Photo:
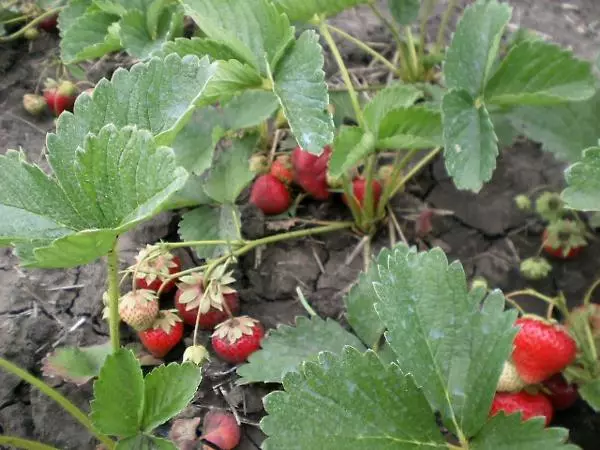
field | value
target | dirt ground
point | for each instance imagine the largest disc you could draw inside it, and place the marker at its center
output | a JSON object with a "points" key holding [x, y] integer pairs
{"points": [[38, 309]]}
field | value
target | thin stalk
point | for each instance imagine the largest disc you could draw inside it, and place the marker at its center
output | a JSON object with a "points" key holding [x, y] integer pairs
{"points": [[395, 33], [311, 312], [33, 23], [540, 296], [352, 203], [412, 53], [441, 36], [64, 402], [324, 29], [416, 169], [360, 44], [369, 207], [174, 245], [427, 11], [588, 295], [399, 164], [370, 87], [114, 320], [26, 444]]}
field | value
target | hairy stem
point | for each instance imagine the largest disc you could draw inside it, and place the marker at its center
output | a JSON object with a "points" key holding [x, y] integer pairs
{"points": [[360, 44], [412, 53], [416, 169], [441, 36], [112, 261], [324, 29], [64, 402], [33, 23]]}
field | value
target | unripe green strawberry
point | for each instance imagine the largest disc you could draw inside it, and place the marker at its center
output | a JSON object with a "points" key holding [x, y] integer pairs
{"points": [[139, 308], [510, 381], [523, 202], [31, 34], [34, 104], [258, 164]]}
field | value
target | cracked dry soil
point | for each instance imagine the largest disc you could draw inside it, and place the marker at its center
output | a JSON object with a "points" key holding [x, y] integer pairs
{"points": [[39, 309]]}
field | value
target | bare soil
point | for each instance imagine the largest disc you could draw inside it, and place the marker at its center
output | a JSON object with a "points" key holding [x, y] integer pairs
{"points": [[38, 309]]}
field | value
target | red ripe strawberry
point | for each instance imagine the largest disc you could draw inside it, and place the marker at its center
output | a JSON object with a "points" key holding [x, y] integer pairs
{"points": [[60, 96], [49, 24], [541, 349], [165, 333], [562, 395], [564, 239], [270, 195], [214, 304], [310, 171], [139, 308], [282, 169], [154, 266], [528, 405], [359, 188], [221, 429], [237, 338]]}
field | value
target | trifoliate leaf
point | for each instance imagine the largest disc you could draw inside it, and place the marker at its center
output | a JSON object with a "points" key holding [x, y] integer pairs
{"points": [[230, 172], [304, 10], [590, 392], [453, 341], [474, 47], [470, 144], [76, 364], [118, 402], [352, 402], [583, 182], [564, 130], [285, 348], [351, 146], [388, 99], [145, 442], [360, 304], [253, 29], [118, 179], [299, 84], [503, 432], [540, 73], [137, 38], [414, 127], [404, 12], [89, 37], [211, 223], [167, 391]]}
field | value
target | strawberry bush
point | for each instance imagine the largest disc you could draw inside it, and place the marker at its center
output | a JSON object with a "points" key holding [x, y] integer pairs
{"points": [[244, 103]]}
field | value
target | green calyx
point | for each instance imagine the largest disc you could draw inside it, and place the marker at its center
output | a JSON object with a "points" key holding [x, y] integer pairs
{"points": [[550, 206], [535, 268], [565, 234]]}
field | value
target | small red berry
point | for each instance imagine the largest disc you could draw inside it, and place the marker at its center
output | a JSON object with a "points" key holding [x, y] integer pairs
{"points": [[220, 428], [562, 394], [282, 169], [165, 333], [359, 189], [154, 266], [310, 171], [49, 24], [270, 195], [236, 339], [528, 405]]}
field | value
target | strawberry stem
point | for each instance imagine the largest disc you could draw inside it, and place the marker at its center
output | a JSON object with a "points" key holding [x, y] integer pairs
{"points": [[64, 402], [16, 442], [311, 312], [112, 260], [441, 36], [33, 23]]}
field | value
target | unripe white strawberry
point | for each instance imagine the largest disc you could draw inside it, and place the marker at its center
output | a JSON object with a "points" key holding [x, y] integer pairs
{"points": [[139, 308], [510, 381]]}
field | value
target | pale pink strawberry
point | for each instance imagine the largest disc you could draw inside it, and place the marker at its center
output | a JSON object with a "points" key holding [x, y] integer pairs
{"points": [[139, 308]]}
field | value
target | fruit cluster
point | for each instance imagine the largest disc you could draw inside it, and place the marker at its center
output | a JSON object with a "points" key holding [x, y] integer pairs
{"points": [[58, 96], [271, 189], [206, 302], [531, 382]]}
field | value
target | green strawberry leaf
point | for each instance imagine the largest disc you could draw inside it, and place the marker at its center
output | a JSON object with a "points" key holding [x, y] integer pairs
{"points": [[470, 144], [414, 127], [286, 347], [167, 390], [404, 12], [351, 401], [76, 364], [230, 172], [73, 11], [451, 340], [299, 84], [145, 442], [88, 37], [248, 109], [539, 73], [562, 129], [253, 29], [211, 223], [231, 78], [79, 222], [503, 432], [590, 392], [304, 10], [118, 402], [583, 182], [350, 147], [217, 50], [360, 305], [474, 47], [387, 100], [137, 38]]}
